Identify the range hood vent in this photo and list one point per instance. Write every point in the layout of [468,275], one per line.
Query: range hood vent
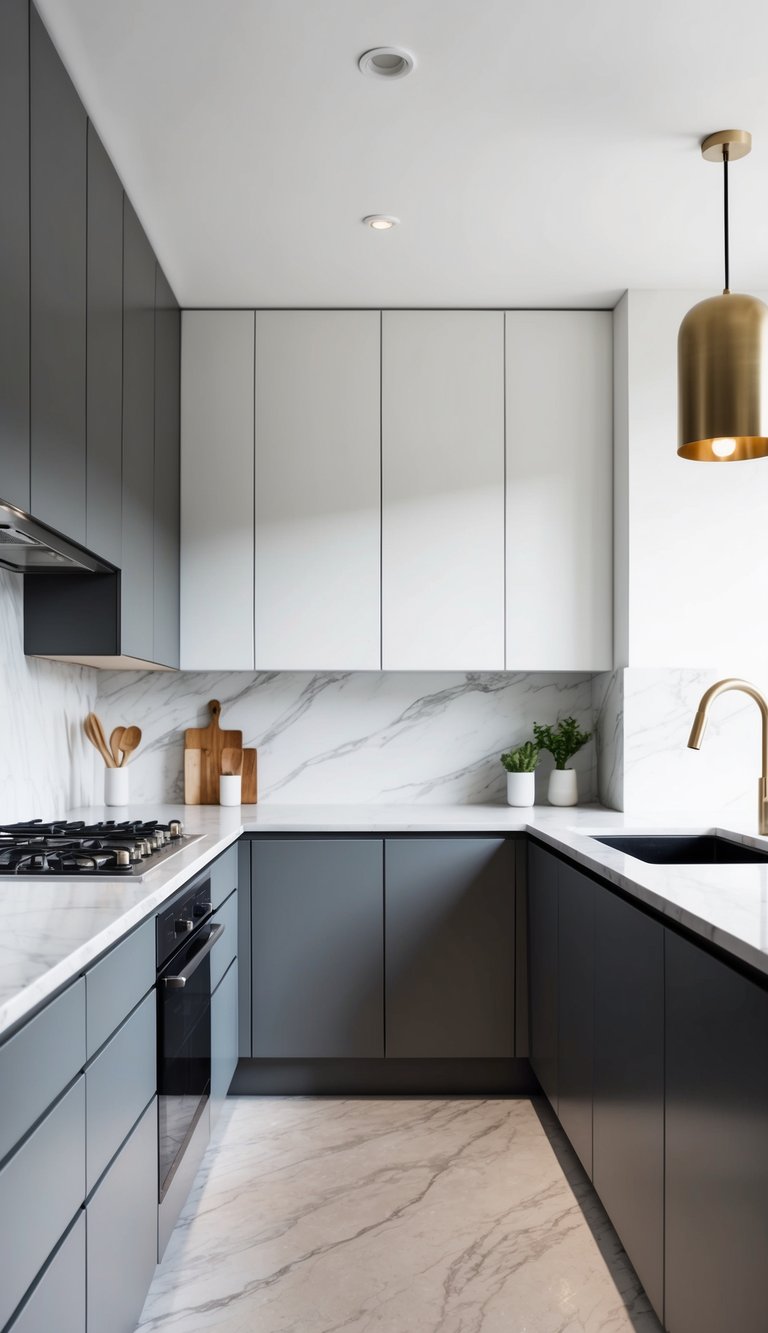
[26,544]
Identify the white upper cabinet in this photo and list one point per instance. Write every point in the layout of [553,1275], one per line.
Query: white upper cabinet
[217,490]
[318,490]
[443,490]
[559,369]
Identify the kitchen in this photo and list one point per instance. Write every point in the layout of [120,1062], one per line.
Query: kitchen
[314,1013]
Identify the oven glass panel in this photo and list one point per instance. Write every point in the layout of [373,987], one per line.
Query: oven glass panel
[184,1057]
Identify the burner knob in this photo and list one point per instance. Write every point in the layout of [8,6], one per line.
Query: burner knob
[176,828]
[183,926]
[122,857]
[144,847]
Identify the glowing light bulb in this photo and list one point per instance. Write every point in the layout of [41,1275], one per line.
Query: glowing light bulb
[723,448]
[380,221]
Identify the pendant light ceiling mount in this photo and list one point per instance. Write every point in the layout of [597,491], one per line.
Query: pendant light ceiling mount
[722,353]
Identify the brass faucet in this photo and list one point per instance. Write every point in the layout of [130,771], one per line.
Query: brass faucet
[700,722]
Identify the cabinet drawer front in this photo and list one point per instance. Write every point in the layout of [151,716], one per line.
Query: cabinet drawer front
[224,1040]
[116,984]
[41,1189]
[58,1300]
[224,876]
[226,948]
[118,1085]
[122,1232]
[38,1062]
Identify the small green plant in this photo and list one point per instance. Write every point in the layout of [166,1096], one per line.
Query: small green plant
[563,741]
[521,760]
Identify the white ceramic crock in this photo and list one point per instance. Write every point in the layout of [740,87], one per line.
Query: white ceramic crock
[230,788]
[521,788]
[117,786]
[563,787]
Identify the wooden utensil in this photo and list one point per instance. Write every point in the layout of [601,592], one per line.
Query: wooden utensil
[210,740]
[231,762]
[95,733]
[131,741]
[114,743]
[248,778]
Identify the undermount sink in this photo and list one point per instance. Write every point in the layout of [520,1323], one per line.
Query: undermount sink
[686,849]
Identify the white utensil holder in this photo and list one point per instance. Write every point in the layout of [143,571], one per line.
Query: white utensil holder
[230,789]
[116,786]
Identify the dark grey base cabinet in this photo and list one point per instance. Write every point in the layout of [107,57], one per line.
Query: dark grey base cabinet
[450,947]
[576,1009]
[716,1145]
[542,968]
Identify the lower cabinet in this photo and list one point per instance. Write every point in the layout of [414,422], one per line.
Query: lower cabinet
[224,1038]
[58,1300]
[449,923]
[121,1220]
[716,1144]
[628,1163]
[317,948]
[543,968]
[576,1008]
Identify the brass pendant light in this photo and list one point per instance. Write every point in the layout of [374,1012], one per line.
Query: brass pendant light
[722,355]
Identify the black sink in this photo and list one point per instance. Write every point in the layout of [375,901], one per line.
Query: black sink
[686,849]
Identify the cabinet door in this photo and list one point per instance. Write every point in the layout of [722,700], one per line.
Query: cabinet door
[217,490]
[450,947]
[443,490]
[716,1144]
[105,354]
[628,1153]
[58,1300]
[14,252]
[318,490]
[58,169]
[137,577]
[542,967]
[121,1221]
[575,1008]
[317,948]
[224,1038]
[559,440]
[167,473]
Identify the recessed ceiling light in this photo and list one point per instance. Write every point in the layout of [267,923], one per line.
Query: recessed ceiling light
[386,62]
[380,221]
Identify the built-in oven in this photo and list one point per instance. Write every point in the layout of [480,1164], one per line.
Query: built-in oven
[186,936]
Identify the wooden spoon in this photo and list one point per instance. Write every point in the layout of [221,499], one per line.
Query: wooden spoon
[130,742]
[231,762]
[114,744]
[95,733]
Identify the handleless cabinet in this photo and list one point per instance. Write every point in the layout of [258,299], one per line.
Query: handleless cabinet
[543,968]
[217,490]
[224,1038]
[137,569]
[58,1298]
[14,253]
[576,1007]
[58,175]
[442,405]
[167,474]
[318,494]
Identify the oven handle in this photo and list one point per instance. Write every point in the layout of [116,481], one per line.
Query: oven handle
[176,983]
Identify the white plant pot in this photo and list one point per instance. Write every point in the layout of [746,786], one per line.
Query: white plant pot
[563,787]
[521,788]
[117,786]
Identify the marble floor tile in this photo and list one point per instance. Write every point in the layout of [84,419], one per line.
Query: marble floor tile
[393,1215]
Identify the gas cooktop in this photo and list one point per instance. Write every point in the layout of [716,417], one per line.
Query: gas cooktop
[108,850]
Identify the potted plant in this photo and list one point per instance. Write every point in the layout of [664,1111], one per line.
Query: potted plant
[521,773]
[563,742]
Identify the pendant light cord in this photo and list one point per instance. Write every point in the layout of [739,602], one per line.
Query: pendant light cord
[725,220]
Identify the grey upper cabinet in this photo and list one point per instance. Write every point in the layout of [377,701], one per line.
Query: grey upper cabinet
[58,171]
[14,252]
[450,947]
[167,473]
[576,1007]
[104,426]
[716,1144]
[317,948]
[628,1145]
[543,968]
[137,569]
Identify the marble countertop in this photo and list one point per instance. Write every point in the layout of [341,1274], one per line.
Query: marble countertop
[53,929]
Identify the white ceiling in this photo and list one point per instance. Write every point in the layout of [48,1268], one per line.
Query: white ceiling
[540,154]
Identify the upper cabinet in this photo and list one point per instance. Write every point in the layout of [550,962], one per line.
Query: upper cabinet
[217,490]
[442,490]
[559,369]
[167,472]
[58,174]
[14,253]
[318,492]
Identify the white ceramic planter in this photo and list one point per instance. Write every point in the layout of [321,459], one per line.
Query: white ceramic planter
[521,788]
[230,788]
[117,786]
[563,787]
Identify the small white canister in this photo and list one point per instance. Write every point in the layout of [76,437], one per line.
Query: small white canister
[230,787]
[117,786]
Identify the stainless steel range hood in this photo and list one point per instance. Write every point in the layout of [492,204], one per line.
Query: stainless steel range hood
[26,544]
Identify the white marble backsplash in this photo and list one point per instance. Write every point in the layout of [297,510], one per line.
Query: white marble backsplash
[363,736]
[46,765]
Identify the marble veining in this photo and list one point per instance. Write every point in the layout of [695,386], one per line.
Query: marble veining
[397,1215]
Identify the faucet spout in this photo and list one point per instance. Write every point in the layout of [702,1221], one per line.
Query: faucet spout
[700,723]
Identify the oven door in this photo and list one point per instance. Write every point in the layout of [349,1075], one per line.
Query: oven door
[183,1047]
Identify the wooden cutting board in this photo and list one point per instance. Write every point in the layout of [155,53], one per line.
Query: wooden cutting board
[202,761]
